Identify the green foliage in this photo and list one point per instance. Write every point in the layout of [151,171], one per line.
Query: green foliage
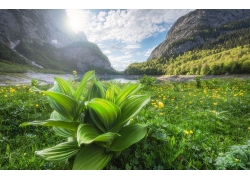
[9,55]
[198,81]
[237,158]
[147,80]
[34,82]
[195,127]
[97,126]
[198,62]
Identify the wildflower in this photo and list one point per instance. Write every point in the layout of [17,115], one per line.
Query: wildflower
[161,105]
[248,128]
[160,114]
[186,132]
[5,96]
[37,105]
[213,111]
[191,132]
[215,103]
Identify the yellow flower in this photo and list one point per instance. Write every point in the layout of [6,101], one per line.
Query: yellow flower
[161,105]
[248,128]
[186,132]
[191,132]
[215,103]
[5,96]
[37,105]
[74,72]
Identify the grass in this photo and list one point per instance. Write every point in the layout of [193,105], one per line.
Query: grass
[190,126]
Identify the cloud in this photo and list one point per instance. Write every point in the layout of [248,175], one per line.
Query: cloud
[148,52]
[121,62]
[128,26]
[106,52]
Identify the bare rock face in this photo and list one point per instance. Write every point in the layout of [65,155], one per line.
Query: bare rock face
[51,26]
[28,32]
[188,31]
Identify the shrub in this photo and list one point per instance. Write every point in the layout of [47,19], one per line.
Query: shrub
[97,126]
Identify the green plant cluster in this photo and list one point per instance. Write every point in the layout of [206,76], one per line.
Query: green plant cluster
[97,126]
[147,80]
[237,158]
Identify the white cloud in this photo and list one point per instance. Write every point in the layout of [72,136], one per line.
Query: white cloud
[129,26]
[148,52]
[121,62]
[106,52]
[132,46]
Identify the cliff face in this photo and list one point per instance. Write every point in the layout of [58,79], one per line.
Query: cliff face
[196,28]
[38,28]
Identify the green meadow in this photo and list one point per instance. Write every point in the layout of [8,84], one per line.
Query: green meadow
[201,124]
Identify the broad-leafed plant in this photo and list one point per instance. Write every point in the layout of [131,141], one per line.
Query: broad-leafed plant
[97,126]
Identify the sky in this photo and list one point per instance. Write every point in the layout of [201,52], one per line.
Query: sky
[125,36]
[125,31]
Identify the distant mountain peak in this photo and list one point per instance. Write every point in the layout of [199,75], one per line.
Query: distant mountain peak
[188,31]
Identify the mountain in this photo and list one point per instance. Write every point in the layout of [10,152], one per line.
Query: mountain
[218,38]
[197,28]
[43,39]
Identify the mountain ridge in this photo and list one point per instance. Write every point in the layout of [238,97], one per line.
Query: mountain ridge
[44,37]
[186,32]
[203,42]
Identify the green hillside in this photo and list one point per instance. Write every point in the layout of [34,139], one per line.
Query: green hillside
[228,53]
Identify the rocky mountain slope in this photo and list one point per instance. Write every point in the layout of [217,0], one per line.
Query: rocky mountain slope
[199,27]
[45,39]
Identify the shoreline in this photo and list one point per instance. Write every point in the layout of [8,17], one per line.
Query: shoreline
[8,79]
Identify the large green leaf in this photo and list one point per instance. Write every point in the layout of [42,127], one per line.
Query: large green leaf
[80,109]
[110,94]
[130,134]
[59,152]
[87,76]
[87,134]
[106,111]
[62,103]
[91,157]
[131,106]
[94,119]
[53,122]
[96,91]
[64,132]
[61,131]
[66,88]
[125,92]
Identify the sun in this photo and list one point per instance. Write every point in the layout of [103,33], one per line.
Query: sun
[75,24]
[76,19]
